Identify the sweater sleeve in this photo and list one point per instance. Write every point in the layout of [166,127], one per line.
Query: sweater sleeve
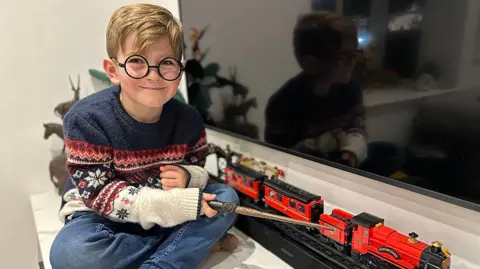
[356,135]
[195,159]
[90,165]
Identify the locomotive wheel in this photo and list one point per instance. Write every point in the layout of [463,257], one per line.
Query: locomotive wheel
[339,247]
[324,238]
[374,262]
[355,255]
[310,229]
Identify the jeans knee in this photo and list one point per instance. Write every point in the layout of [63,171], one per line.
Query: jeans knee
[61,254]
[70,250]
[225,193]
[75,257]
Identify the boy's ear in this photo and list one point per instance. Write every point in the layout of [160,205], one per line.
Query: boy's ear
[309,64]
[111,69]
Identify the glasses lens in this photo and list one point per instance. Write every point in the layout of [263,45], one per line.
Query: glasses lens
[136,66]
[170,69]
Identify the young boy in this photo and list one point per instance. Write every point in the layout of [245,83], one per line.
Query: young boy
[329,123]
[138,194]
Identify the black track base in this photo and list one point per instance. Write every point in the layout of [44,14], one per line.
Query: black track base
[281,246]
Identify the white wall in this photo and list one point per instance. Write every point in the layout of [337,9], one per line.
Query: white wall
[42,43]
[457,228]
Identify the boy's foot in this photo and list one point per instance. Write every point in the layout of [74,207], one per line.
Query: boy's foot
[228,243]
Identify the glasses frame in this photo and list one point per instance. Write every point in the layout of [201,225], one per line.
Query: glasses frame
[124,66]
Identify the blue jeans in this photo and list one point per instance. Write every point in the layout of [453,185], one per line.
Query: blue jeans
[91,241]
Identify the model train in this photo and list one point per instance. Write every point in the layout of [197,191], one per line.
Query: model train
[364,237]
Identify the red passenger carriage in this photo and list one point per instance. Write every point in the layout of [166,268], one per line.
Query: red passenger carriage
[292,201]
[245,180]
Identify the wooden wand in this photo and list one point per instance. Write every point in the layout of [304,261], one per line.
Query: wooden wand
[241,210]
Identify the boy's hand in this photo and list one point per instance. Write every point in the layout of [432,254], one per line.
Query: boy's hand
[173,177]
[205,209]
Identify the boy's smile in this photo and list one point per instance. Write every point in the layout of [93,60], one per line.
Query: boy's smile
[143,96]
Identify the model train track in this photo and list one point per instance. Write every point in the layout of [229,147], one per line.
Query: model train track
[308,240]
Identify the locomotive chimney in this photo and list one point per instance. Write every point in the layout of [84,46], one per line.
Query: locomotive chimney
[436,247]
[413,238]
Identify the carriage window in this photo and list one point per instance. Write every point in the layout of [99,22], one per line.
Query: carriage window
[250,184]
[279,197]
[293,204]
[301,208]
[271,193]
[244,181]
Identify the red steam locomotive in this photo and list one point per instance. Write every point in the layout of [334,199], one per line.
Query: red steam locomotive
[364,237]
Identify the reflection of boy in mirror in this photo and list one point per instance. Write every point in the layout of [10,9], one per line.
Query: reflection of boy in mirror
[318,111]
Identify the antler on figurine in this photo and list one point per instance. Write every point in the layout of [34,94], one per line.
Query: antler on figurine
[76,90]
[62,108]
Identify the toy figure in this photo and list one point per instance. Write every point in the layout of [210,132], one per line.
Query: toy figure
[62,108]
[58,170]
[52,128]
[272,172]
[57,166]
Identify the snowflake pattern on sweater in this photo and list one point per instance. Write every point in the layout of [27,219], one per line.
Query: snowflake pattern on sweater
[111,157]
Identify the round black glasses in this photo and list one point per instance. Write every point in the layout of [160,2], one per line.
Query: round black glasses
[137,67]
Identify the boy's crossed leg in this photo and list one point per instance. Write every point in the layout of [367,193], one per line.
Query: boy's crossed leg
[188,246]
[90,241]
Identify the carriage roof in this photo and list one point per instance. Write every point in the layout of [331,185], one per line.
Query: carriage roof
[291,191]
[246,171]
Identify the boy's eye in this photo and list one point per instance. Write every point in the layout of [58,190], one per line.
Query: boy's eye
[167,62]
[136,61]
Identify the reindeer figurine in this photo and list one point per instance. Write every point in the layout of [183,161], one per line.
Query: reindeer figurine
[58,170]
[62,108]
[239,90]
[53,128]
[240,111]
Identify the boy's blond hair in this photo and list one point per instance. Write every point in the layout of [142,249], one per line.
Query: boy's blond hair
[148,22]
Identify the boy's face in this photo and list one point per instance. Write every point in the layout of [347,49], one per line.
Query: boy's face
[151,91]
[337,69]
[342,72]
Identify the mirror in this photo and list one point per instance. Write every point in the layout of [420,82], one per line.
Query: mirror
[386,89]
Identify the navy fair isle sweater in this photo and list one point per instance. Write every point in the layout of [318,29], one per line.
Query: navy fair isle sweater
[114,161]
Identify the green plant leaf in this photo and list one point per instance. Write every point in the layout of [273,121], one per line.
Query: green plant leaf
[203,100]
[102,76]
[179,96]
[211,69]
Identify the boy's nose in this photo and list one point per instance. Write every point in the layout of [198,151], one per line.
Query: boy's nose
[153,74]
